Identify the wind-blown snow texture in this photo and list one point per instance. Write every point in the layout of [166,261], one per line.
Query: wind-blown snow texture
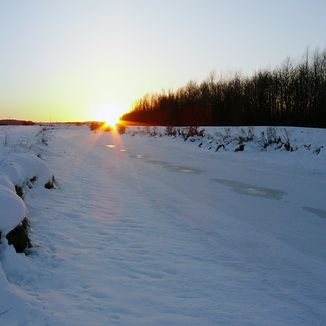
[157,231]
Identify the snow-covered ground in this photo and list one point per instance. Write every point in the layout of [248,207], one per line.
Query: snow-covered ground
[158,231]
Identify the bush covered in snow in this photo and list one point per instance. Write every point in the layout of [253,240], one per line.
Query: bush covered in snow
[237,139]
[20,170]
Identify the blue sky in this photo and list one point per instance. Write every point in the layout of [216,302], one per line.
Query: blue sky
[85,59]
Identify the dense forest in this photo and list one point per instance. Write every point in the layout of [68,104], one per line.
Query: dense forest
[292,94]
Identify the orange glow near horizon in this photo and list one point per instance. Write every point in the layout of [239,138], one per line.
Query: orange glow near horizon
[110,114]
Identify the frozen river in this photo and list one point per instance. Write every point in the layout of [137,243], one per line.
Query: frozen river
[158,232]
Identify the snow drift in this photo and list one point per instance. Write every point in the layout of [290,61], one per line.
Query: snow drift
[19,171]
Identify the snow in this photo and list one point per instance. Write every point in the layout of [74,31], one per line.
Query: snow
[19,166]
[6,182]
[13,171]
[13,210]
[158,231]
[31,167]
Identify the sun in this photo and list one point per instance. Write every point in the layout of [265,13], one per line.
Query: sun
[110,114]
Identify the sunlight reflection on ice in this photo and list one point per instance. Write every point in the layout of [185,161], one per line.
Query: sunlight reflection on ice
[183,169]
[168,166]
[114,146]
[251,190]
[139,156]
[175,168]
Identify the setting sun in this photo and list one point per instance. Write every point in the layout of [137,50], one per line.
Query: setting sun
[110,114]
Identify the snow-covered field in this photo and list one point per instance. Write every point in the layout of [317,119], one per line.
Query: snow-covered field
[158,231]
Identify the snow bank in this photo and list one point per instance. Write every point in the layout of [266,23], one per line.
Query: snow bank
[12,299]
[5,181]
[13,210]
[13,171]
[20,167]
[303,148]
[261,138]
[31,168]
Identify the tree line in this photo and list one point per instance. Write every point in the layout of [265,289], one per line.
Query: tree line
[13,122]
[292,94]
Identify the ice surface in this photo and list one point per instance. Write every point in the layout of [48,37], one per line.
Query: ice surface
[319,212]
[252,190]
[175,168]
[157,231]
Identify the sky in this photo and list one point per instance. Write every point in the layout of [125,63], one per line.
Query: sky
[81,60]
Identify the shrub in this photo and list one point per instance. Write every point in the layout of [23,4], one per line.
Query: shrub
[270,137]
[171,131]
[50,184]
[121,128]
[318,149]
[226,135]
[240,148]
[19,191]
[19,238]
[287,134]
[95,125]
[192,132]
[246,135]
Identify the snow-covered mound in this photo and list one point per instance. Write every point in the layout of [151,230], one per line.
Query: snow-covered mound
[13,210]
[20,168]
[12,171]
[5,181]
